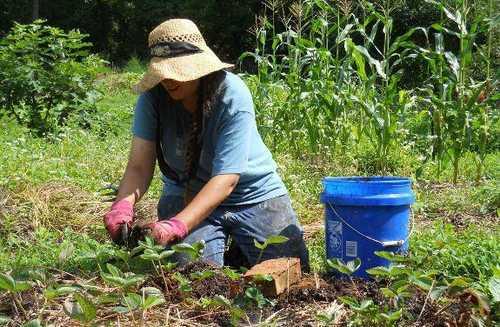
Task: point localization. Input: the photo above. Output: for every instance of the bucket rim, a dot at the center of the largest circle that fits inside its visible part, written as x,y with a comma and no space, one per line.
368,179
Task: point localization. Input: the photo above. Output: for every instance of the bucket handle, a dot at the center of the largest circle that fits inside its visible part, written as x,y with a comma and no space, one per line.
384,244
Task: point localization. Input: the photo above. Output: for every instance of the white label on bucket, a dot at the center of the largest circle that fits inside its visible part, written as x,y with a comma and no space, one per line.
335,238
351,248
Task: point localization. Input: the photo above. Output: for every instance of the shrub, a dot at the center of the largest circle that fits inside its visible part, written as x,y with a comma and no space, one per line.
46,77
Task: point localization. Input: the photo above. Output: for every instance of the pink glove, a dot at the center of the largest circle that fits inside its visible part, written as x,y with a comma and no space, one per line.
167,231
122,212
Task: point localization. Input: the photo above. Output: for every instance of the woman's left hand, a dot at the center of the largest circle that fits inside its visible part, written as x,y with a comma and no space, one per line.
167,231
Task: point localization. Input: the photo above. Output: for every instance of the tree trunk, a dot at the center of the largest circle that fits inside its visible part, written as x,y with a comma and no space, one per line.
36,9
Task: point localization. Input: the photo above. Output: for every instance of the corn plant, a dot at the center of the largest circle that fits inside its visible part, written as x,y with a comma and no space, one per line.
460,116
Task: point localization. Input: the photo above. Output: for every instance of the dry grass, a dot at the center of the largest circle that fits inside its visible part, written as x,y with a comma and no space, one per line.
53,205
57,206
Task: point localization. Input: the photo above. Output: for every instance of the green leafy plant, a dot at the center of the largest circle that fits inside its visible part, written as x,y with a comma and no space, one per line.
254,295
348,268
149,298
184,283
220,301
14,288
47,77
331,315
271,240
194,251
83,309
368,313
116,277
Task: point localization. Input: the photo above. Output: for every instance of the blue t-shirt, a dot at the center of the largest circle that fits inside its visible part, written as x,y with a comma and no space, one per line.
231,143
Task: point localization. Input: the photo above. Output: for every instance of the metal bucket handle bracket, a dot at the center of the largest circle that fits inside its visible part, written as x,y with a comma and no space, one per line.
384,244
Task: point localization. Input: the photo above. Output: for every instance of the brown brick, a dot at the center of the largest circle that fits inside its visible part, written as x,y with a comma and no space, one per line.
285,272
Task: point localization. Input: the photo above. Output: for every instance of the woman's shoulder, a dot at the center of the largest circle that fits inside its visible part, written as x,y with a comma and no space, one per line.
235,91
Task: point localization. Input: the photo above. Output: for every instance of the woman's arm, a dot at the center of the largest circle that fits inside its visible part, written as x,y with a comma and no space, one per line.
210,196
139,171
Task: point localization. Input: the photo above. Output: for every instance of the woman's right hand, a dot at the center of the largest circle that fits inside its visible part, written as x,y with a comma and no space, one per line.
121,212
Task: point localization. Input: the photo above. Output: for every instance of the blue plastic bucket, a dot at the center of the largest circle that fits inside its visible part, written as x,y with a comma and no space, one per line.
364,215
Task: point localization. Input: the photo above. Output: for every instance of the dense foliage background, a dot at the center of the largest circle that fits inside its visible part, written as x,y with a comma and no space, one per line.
119,29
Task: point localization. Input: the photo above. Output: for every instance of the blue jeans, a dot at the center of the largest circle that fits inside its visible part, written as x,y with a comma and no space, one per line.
244,224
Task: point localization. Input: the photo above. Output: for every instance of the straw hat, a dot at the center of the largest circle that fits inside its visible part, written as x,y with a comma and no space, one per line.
178,52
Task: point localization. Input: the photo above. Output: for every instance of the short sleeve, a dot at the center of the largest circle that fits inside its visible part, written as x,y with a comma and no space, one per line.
233,144
145,118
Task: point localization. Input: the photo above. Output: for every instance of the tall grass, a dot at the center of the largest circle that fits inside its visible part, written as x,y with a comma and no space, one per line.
329,80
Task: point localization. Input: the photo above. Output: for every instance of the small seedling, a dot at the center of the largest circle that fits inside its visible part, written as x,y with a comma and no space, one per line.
201,275
184,283
274,239
254,295
120,279
194,251
391,256
331,315
231,273
52,292
149,298
83,310
348,268
217,301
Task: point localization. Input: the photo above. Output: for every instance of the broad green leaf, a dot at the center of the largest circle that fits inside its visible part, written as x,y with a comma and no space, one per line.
453,62
108,299
186,249
7,282
351,302
222,300
150,255
262,278
66,252
437,292
276,239
199,247
165,254
423,282
153,291
391,256
133,280
33,323
120,309
354,265
51,293
201,275
73,310
232,274
393,316
494,285
152,301
22,286
113,270
132,301
88,308
378,271
260,246
388,292
364,305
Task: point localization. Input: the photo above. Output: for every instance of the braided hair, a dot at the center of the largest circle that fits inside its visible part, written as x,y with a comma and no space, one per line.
208,94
